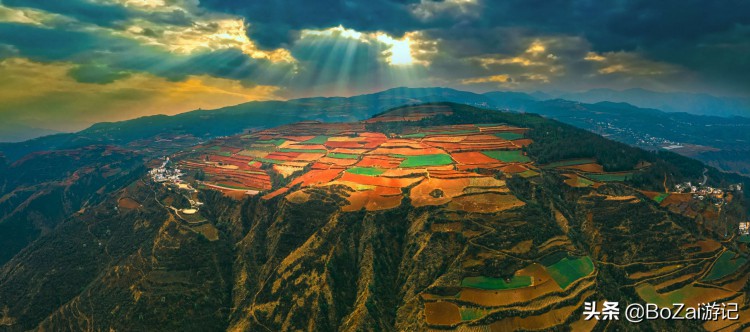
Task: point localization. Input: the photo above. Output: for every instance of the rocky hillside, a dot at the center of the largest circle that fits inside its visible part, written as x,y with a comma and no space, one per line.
438,216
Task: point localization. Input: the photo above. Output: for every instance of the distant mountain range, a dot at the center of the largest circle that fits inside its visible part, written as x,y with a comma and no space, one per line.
719,141
694,103
15,132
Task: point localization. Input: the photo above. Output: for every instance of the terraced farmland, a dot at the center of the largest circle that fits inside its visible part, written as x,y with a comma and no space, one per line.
498,242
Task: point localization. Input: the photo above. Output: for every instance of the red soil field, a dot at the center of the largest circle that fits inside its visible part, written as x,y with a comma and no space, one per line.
349,151
298,138
338,144
306,147
380,161
402,143
495,166
372,200
485,203
420,194
309,156
522,142
128,203
275,193
484,139
338,161
472,158
444,138
316,176
676,199
453,174
397,173
319,165
407,151
380,181
514,168
283,156
591,168
456,147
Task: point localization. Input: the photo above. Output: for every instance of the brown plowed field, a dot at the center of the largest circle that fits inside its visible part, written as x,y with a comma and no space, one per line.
441,313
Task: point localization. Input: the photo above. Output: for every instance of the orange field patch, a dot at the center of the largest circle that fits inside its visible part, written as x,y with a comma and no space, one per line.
283,156
444,139
522,142
128,203
344,144
276,193
386,162
544,321
314,177
338,161
489,202
379,180
676,199
514,168
441,313
373,135
306,147
452,174
406,151
472,158
590,168
309,156
286,170
349,151
435,191
405,172
292,138
378,198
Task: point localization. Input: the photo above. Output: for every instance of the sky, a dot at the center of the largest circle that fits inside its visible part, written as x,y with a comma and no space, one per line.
65,65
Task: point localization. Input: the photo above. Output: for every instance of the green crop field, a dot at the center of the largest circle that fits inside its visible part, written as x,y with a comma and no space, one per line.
424,160
583,182
725,265
528,174
509,136
371,171
488,283
567,270
468,313
276,142
317,140
661,197
343,155
507,156
572,162
612,177
416,135
270,161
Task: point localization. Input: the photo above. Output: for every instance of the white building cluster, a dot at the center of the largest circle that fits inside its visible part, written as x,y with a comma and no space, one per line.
164,173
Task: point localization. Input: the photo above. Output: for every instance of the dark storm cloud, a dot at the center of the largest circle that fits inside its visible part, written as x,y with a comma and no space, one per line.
276,23
708,37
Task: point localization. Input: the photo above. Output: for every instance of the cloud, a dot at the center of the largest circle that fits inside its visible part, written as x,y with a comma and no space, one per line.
293,48
81,10
44,95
